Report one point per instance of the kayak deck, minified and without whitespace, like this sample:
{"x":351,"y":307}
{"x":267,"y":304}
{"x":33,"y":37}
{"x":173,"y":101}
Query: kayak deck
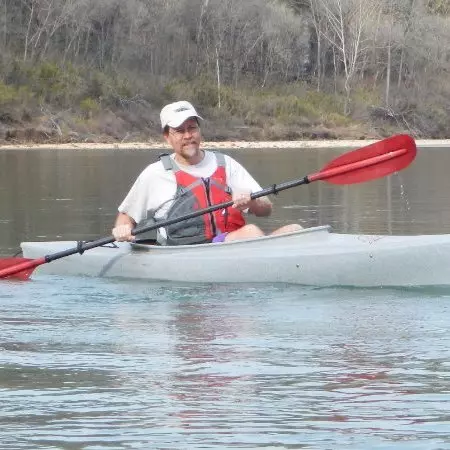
{"x":313,"y":256}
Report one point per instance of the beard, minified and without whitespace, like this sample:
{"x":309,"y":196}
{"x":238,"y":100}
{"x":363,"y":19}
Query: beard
{"x":190,"y":153}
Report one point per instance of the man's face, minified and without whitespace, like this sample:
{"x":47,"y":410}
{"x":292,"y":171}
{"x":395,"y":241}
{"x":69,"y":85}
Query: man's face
{"x":185,"y":141}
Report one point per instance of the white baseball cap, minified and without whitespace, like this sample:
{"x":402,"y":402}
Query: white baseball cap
{"x":174,"y":114}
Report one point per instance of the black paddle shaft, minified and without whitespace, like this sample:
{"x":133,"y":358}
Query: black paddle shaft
{"x":83,"y":246}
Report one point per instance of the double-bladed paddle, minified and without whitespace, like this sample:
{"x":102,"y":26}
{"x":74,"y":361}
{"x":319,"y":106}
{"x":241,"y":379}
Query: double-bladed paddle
{"x":367,"y":163}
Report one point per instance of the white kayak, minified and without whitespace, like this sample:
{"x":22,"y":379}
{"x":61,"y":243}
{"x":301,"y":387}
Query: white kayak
{"x":313,"y":256}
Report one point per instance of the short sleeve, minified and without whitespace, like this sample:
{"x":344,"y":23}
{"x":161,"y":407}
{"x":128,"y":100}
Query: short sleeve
{"x":135,"y":203}
{"x":238,"y":178}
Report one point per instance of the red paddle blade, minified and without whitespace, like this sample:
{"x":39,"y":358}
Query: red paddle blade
{"x":370,"y":162}
{"x":17,"y":268}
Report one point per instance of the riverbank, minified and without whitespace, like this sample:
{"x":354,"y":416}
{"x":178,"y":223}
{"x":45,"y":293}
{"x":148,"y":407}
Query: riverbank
{"x":228,"y":145}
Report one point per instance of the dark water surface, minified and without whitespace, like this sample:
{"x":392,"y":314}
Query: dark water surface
{"x":101,"y":364}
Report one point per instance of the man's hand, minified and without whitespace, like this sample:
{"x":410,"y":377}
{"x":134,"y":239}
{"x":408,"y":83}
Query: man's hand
{"x":122,"y":228}
{"x":242,"y":200}
{"x":123,"y":233}
{"x":261,"y":206}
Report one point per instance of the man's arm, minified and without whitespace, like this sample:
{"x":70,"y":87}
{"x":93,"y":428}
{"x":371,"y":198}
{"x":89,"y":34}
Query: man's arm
{"x":122,"y":227}
{"x":260,"y":207}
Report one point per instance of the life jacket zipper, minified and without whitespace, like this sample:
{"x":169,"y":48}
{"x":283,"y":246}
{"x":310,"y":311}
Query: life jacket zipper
{"x":206,"y":182}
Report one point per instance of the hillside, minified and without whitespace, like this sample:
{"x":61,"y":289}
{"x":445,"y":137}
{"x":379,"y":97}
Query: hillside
{"x":100,"y":70}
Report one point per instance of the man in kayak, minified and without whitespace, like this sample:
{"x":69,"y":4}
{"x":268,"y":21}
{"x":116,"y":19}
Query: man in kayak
{"x":191,"y":179}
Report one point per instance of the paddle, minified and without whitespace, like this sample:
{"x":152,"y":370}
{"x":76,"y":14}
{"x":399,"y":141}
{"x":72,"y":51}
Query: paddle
{"x":367,"y":163}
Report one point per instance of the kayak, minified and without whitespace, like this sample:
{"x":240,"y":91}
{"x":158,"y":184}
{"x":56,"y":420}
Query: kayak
{"x":312,"y":256}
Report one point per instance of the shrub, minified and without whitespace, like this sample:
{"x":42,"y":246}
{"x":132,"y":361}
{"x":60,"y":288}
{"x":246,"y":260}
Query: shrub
{"x":89,"y":106}
{"x":51,"y":84}
{"x":8,"y":94}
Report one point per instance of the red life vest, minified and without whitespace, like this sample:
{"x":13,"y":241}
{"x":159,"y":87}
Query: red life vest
{"x":197,"y":193}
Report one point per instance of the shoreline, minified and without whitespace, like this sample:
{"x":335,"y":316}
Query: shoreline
{"x":229,"y":145}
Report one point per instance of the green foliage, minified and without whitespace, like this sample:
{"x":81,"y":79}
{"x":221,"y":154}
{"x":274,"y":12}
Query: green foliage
{"x":436,"y":117}
{"x":11,"y":94}
{"x":53,"y":84}
{"x":17,"y":74}
{"x":293,"y":105}
{"x":207,"y":94}
{"x":285,"y":111}
{"x":64,"y":87}
{"x":123,"y":88}
{"x":47,"y":81}
{"x":366,"y":96}
{"x":324,"y":102}
{"x":439,"y":7}
{"x":97,"y":85}
{"x":7,"y":93}
{"x":108,"y":89}
{"x":89,"y":106}
{"x":235,"y":101}
{"x":334,"y":119}
{"x":201,"y":91}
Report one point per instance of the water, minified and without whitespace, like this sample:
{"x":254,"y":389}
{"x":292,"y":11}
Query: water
{"x":101,"y":364}
{"x":90,"y":364}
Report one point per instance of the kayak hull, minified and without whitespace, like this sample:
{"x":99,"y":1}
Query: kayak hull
{"x":313,"y":256}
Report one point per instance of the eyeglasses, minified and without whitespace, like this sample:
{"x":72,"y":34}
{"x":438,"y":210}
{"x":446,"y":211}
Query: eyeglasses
{"x":179,"y":132}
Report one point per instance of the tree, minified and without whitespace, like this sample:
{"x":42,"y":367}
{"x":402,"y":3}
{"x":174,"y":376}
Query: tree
{"x":348,"y":30}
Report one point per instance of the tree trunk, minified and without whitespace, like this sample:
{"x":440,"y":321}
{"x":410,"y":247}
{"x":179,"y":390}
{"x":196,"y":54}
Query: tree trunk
{"x":388,"y":75}
{"x":218,"y":77}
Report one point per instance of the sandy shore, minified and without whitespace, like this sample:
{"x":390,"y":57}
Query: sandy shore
{"x":220,"y":145}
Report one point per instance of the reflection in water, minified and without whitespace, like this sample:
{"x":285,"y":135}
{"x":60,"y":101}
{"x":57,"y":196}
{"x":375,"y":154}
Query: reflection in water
{"x":201,"y":335}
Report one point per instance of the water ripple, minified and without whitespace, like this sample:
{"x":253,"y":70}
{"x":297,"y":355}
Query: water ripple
{"x":112,"y":365}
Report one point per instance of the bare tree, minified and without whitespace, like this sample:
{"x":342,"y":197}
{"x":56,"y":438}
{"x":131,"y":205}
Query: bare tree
{"x":348,"y":31}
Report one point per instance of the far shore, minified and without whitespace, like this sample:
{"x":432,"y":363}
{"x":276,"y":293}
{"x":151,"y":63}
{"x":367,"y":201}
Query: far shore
{"x":228,"y":145}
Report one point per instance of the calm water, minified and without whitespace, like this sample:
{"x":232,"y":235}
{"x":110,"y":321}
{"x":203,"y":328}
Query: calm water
{"x":100,"y":364}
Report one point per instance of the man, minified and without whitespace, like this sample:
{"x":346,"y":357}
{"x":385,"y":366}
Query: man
{"x":190,"y":179}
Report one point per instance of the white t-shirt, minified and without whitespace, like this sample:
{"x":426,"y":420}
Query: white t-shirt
{"x":157,"y":186}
